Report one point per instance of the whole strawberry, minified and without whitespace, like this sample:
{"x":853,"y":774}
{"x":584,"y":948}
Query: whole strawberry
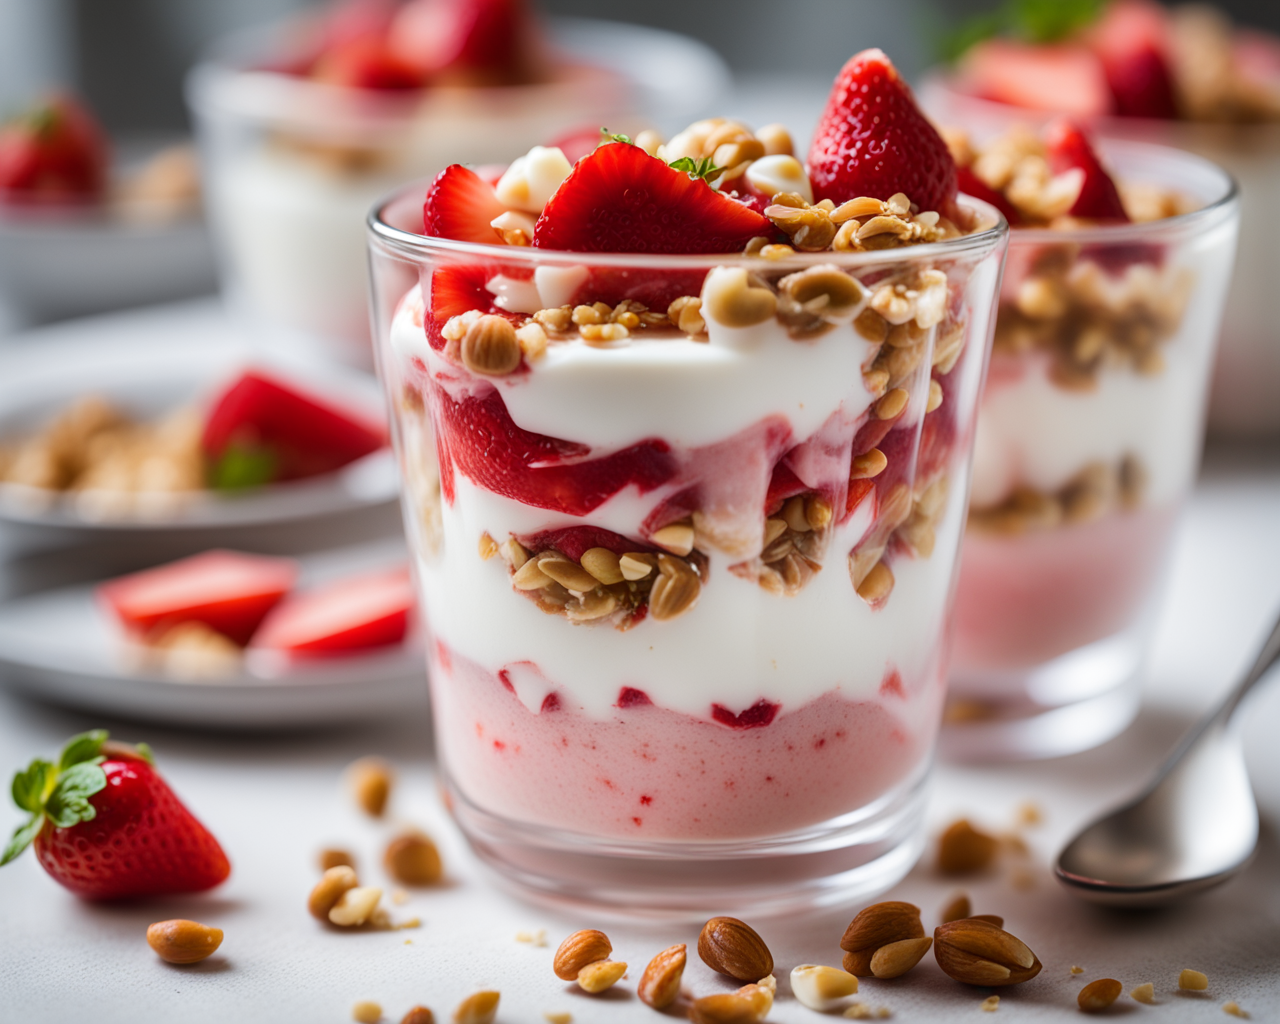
{"x":106,"y":826}
{"x":873,"y":140}
{"x":53,"y":153}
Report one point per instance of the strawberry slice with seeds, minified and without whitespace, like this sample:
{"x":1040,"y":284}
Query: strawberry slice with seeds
{"x":1069,"y":149}
{"x":1066,"y":78}
{"x":618,"y":198}
{"x":348,"y":615}
{"x":1132,"y":42}
{"x":460,"y":205}
{"x":872,"y":140}
{"x":970,"y":184}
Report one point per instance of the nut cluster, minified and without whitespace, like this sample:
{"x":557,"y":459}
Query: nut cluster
{"x":605,"y":586}
{"x":1089,"y":320}
{"x":584,"y":957}
{"x":859,"y":225}
{"x":1096,"y":491}
{"x":884,"y":941}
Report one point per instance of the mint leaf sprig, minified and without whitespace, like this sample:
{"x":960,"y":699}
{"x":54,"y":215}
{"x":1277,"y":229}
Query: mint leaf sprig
{"x":704,"y":168}
{"x":58,"y":792}
{"x":1033,"y":21}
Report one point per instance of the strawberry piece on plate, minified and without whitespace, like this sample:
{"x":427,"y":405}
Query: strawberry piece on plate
{"x":1064,"y":77}
{"x":460,"y":205}
{"x":872,"y":140}
{"x":1132,"y":41}
{"x":53,"y":153}
{"x":260,"y":430}
{"x":106,"y":826}
{"x":970,"y":184}
{"x":366,"y":63}
{"x":227,"y":591}
{"x":468,"y":42}
{"x":352,"y":614}
{"x":1069,"y":149}
{"x":618,"y":198}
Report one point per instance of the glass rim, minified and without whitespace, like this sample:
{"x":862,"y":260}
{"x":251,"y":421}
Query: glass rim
{"x":420,"y":248}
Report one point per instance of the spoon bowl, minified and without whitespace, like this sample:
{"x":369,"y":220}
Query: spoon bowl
{"x":1193,"y":827}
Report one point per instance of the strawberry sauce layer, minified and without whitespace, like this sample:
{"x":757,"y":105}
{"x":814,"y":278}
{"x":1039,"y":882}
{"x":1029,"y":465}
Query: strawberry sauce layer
{"x":1024,"y":601}
{"x":646,"y":772}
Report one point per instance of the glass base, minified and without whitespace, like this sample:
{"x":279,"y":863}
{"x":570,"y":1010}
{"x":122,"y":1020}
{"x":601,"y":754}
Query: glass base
{"x":1073,"y":703}
{"x":842,"y":861}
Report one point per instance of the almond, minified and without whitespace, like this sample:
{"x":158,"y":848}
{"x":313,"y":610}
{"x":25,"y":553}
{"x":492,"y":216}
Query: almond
{"x":821,"y":988}
{"x":963,"y":849}
{"x":418,"y":1015}
{"x":895,"y":959}
{"x":878,"y":925}
{"x":994,"y":919}
{"x":958,"y":908}
{"x":331,"y":886}
{"x":477,"y":1008}
{"x":183,"y":942}
{"x":748,"y":1005}
{"x":979,"y":953}
{"x":578,"y":950}
{"x":660,"y":984}
{"x":371,"y":784}
{"x":1193,"y":981}
{"x":732,"y":947}
{"x":412,"y":859}
{"x":1098,"y":995}
{"x":602,"y":974}
{"x":1144,"y":993}
{"x":355,"y":906}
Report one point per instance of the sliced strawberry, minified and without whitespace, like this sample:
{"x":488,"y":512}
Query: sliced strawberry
{"x":1132,"y":41}
{"x":352,"y":614}
{"x":970,"y":184}
{"x":1068,"y":148}
{"x":106,"y":826}
{"x":760,"y":714}
{"x":460,"y":205}
{"x":1064,"y":77}
{"x":574,"y":540}
{"x":478,"y":435}
{"x":469,"y":42}
{"x":456,"y":288}
{"x":53,"y":153}
{"x":872,"y":140}
{"x":366,"y":63}
{"x":618,"y":198}
{"x":261,"y":430}
{"x":228,"y":591}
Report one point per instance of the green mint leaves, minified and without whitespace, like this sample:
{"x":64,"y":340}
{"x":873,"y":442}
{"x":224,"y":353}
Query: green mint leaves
{"x":608,"y":136}
{"x":61,"y":793}
{"x":1034,"y":21}
{"x":705,"y":168}
{"x":242,"y":467}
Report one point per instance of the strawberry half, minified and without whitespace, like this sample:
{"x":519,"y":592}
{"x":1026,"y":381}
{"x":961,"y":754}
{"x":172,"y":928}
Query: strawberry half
{"x":618,"y":198}
{"x":872,"y":140}
{"x":366,"y":64}
{"x":52,"y":153}
{"x":106,"y":826}
{"x":460,"y":205}
{"x":1069,"y":149}
{"x":1132,"y":42}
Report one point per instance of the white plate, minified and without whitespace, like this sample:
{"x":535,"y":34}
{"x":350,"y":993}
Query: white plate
{"x":62,"y":647}
{"x":155,"y":361}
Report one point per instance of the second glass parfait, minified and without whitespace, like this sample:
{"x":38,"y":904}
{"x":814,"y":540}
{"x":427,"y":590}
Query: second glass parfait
{"x":1089,"y":436}
{"x":685,"y":532}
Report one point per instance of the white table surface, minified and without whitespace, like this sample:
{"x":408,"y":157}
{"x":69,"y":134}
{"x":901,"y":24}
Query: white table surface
{"x":274,"y":801}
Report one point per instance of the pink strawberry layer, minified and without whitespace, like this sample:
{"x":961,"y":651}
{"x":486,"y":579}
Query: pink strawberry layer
{"x":1024,"y":600}
{"x":650,"y":773}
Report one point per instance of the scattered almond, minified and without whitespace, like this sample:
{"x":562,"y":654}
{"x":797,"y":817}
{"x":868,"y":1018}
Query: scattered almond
{"x":1144,"y":993}
{"x":557,"y":1018}
{"x":963,"y":849}
{"x":821,"y":988}
{"x":412,"y":859}
{"x":331,"y":886}
{"x":578,"y":950}
{"x":1029,"y":815}
{"x":601,"y":975}
{"x":418,"y":1015}
{"x":1077,"y":970}
{"x":366,"y":1012}
{"x":958,"y":908}
{"x":978,"y":953}
{"x":1232,"y":1009}
{"x":732,"y":947}
{"x":371,"y":784}
{"x":878,"y":925}
{"x":896,"y":958}
{"x":660,"y":984}
{"x":1192,"y":981}
{"x":990,"y":1004}
{"x":335,"y":858}
{"x":477,"y":1008}
{"x":355,"y":906}
{"x":183,"y":942}
{"x":748,"y":1005}
{"x":1098,"y":995}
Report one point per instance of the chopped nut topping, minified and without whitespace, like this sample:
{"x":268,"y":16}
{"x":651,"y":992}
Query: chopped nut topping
{"x":603,"y":334}
{"x":990,"y":1004}
{"x":1094,"y":492}
{"x":1192,"y":981}
{"x":490,"y":347}
{"x":1144,"y":993}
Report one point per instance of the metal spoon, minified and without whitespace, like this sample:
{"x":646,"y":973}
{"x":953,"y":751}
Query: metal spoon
{"x":1194,"y":826}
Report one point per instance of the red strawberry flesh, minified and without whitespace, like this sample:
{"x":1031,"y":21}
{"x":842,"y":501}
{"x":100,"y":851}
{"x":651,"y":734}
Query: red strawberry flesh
{"x":54,"y":153}
{"x":460,"y":205}
{"x":1069,"y":149}
{"x":872,"y":140}
{"x":351,"y":614}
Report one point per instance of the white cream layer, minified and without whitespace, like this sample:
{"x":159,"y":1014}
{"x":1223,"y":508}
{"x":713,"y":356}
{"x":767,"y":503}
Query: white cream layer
{"x":740,"y":643}
{"x":1033,"y":432}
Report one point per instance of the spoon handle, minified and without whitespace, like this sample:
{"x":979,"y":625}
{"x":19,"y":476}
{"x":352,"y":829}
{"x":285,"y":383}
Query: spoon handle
{"x":1267,"y":657}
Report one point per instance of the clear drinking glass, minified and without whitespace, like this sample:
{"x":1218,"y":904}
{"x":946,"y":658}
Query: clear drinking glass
{"x":1246,"y":374}
{"x":1089,"y":435}
{"x":725,"y":688}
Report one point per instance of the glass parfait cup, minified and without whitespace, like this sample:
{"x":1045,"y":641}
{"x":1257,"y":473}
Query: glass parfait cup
{"x":685,"y":531}
{"x":1088,"y":440}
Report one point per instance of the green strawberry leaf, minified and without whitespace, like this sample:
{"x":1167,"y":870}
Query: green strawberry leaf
{"x":143,"y":750}
{"x":704,"y":168}
{"x":242,"y":466}
{"x":30,"y":788}
{"x":1047,"y":21}
{"x":84,"y":747}
{"x":608,"y":136}
{"x":68,"y":804}
{"x":22,"y":837}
